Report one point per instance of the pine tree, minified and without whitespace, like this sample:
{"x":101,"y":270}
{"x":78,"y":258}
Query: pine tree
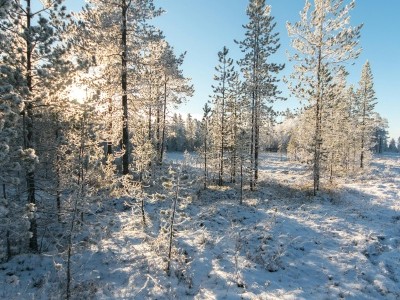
{"x":324,"y":40}
{"x":352,"y":138}
{"x":112,"y":35}
{"x":398,"y":144}
{"x":366,"y":104}
{"x":260,"y":81}
{"x":13,"y":229}
{"x":206,"y":113}
{"x":11,"y":106}
{"x":225,"y":75}
{"x":163,"y":85}
{"x":176,"y":139}
{"x":236,"y":107}
{"x":175,"y":90}
{"x":36,"y":48}
{"x":190,"y":129}
{"x":151,"y":81}
{"x":392,"y":146}
{"x":381,"y":134}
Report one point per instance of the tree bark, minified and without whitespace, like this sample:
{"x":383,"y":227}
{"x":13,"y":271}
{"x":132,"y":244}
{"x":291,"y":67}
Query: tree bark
{"x":317,"y":147}
{"x":124,"y":84}
{"x":363,"y":133}
{"x":109,"y":142}
{"x":149,"y":125}
{"x":256,"y":142}
{"x":221,"y":162}
{"x":205,"y":154}
{"x":158,"y":128}
{"x":171,"y":230}
{"x":252,"y":141}
{"x":58,"y":174}
{"x":164,"y":122}
{"x":30,"y":176}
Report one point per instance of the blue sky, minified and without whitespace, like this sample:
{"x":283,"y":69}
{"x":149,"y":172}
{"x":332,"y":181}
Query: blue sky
{"x":203,"y":27}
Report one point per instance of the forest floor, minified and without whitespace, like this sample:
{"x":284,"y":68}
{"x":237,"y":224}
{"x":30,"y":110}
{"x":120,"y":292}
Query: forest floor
{"x":281,"y":243}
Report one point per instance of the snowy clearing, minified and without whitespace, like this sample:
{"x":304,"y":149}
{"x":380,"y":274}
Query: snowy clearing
{"x":280,"y":244}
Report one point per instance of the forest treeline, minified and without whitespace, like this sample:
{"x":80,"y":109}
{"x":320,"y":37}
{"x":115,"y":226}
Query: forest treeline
{"x":59,"y":153}
{"x":185,"y":133}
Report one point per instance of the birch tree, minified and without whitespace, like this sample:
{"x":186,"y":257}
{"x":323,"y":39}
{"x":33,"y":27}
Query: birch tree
{"x":323,"y":40}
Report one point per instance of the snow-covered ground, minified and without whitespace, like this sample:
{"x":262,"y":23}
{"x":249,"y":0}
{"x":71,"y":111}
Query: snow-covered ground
{"x":282,"y":243}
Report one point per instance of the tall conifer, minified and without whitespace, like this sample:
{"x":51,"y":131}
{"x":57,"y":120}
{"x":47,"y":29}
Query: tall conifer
{"x":259,"y":44}
{"x":323,"y":40}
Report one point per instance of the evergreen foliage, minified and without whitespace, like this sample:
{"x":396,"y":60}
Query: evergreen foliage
{"x":365,"y":114}
{"x":260,"y":43}
{"x":323,"y":41}
{"x":88,"y":108}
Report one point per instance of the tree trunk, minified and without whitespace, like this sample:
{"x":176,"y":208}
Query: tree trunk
{"x":149,"y":125}
{"x":30,"y":176}
{"x":241,"y":180}
{"x":8,"y":242}
{"x":158,"y":129}
{"x":205,"y":155}
{"x":256,"y":143}
{"x":58,"y":181}
{"x":109,"y":142}
{"x":221,"y":162}
{"x":252,"y":140}
{"x":164,"y":121}
{"x":363,"y":135}
{"x":124,"y":84}
{"x":142,"y":199}
{"x":234,"y":144}
{"x":171,"y":230}
{"x":254,"y":112}
{"x":317,"y":141}
{"x":70,"y":240}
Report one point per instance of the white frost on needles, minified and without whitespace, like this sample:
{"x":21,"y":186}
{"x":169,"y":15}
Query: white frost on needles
{"x":281,"y":244}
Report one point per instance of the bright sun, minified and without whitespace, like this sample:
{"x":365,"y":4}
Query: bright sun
{"x":78,"y":93}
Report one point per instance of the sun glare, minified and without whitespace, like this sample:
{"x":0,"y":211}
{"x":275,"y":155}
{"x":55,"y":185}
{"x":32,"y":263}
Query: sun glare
{"x":78,"y":93}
